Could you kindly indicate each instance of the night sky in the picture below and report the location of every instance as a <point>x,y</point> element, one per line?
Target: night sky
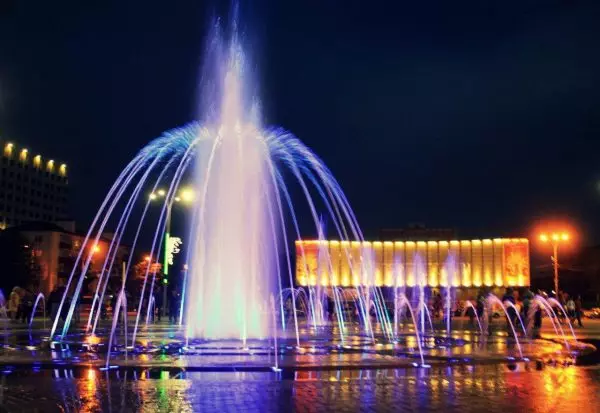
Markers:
<point>478,115</point>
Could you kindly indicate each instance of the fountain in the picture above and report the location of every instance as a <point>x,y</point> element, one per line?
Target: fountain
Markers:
<point>449,272</point>
<point>38,298</point>
<point>470,306</point>
<point>239,303</point>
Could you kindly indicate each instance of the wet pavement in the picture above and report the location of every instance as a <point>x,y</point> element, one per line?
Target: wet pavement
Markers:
<point>367,380</point>
<point>463,389</point>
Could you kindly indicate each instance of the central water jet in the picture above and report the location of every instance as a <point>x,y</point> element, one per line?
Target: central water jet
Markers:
<point>234,239</point>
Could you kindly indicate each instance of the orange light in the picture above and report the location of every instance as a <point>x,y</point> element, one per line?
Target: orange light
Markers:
<point>544,238</point>
<point>96,249</point>
<point>564,236</point>
<point>555,237</point>
<point>147,258</point>
<point>91,374</point>
<point>93,339</point>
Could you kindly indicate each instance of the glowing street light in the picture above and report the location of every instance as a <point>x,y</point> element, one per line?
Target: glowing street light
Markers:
<point>147,258</point>
<point>95,249</point>
<point>555,239</point>
<point>187,195</point>
<point>184,195</point>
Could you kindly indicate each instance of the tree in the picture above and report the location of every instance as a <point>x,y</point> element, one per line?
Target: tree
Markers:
<point>17,262</point>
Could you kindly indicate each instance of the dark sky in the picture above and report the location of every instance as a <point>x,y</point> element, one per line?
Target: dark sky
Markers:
<point>478,115</point>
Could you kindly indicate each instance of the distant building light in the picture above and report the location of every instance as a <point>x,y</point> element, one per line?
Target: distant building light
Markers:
<point>8,148</point>
<point>37,161</point>
<point>50,166</point>
<point>23,155</point>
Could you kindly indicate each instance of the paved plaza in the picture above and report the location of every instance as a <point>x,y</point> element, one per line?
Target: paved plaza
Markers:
<point>498,387</point>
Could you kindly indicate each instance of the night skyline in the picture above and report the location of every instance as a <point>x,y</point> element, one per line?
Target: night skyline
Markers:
<point>476,117</point>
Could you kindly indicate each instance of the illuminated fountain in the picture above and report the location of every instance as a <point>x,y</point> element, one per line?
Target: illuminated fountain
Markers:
<point>239,295</point>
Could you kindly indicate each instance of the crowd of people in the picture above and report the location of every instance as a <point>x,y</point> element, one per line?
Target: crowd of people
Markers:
<point>572,307</point>
<point>21,301</point>
<point>19,306</point>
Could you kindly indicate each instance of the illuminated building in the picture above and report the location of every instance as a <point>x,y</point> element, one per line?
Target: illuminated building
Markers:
<point>32,188</point>
<point>54,249</point>
<point>500,262</point>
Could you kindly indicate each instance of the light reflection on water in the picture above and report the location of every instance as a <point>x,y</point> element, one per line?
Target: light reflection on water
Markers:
<point>460,388</point>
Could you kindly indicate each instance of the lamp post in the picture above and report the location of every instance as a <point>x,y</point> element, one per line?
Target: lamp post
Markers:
<point>185,196</point>
<point>555,239</point>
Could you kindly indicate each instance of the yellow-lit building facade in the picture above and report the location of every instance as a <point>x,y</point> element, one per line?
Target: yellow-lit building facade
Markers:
<point>500,262</point>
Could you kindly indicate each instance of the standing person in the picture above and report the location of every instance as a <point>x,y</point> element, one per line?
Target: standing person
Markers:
<point>330,308</point>
<point>158,303</point>
<point>510,311</point>
<point>14,303</point>
<point>570,308</point>
<point>437,306</point>
<point>26,306</point>
<point>563,298</point>
<point>527,298</point>
<point>173,306</point>
<point>471,313</point>
<point>480,305</point>
<point>53,302</point>
<point>578,310</point>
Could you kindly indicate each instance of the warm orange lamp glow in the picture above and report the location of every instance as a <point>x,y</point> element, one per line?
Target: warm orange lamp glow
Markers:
<point>555,237</point>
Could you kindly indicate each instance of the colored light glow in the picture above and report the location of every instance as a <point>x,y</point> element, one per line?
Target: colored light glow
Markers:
<point>92,339</point>
<point>152,196</point>
<point>147,258</point>
<point>173,244</point>
<point>187,195</point>
<point>161,192</point>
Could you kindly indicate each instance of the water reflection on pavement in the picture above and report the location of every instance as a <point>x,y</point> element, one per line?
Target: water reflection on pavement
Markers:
<point>494,388</point>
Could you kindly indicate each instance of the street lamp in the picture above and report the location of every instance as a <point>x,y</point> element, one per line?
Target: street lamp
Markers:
<point>555,239</point>
<point>184,196</point>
